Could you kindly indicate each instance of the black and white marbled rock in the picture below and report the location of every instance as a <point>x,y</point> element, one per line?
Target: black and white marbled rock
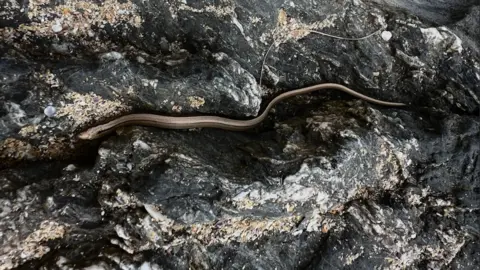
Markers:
<point>327,182</point>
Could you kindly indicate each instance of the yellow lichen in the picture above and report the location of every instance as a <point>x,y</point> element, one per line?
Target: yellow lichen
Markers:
<point>84,107</point>
<point>72,19</point>
<point>77,17</point>
<point>196,102</point>
<point>219,11</point>
<point>13,149</point>
<point>282,17</point>
<point>242,229</point>
<point>177,108</point>
<point>31,247</point>
<point>28,130</point>
<point>245,204</point>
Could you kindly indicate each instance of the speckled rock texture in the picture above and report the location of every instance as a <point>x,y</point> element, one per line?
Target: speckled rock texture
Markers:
<point>327,181</point>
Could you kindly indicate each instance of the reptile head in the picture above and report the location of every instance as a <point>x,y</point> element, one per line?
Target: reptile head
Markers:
<point>94,133</point>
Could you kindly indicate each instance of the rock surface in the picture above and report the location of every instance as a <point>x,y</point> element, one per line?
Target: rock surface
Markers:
<point>328,181</point>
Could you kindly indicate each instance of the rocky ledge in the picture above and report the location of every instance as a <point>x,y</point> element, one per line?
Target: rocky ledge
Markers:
<point>327,181</point>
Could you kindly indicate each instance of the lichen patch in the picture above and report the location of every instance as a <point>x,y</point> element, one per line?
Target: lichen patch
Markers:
<point>77,17</point>
<point>196,102</point>
<point>242,229</point>
<point>84,107</point>
<point>71,19</point>
<point>219,11</point>
<point>293,29</point>
<point>15,150</point>
<point>32,248</point>
<point>28,130</point>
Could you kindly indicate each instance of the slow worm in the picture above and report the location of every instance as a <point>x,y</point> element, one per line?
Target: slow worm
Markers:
<point>186,122</point>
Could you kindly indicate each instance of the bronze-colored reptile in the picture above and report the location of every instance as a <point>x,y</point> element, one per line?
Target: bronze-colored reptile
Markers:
<point>186,122</point>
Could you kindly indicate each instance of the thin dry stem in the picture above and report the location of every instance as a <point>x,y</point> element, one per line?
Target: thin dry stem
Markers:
<point>316,32</point>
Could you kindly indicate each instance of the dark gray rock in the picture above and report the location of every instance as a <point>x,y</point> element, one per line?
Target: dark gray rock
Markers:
<point>326,182</point>
<point>436,12</point>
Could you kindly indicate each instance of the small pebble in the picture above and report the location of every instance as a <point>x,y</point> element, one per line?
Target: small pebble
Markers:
<point>386,35</point>
<point>70,168</point>
<point>56,28</point>
<point>140,60</point>
<point>141,145</point>
<point>50,111</point>
<point>112,56</point>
